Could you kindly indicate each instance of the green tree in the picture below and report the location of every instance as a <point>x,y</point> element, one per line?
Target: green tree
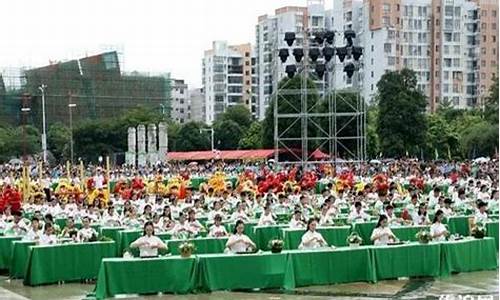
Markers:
<point>238,114</point>
<point>491,103</point>
<point>372,143</point>
<point>191,139</point>
<point>480,139</point>
<point>290,103</point>
<point>401,123</point>
<point>58,139</point>
<point>252,138</point>
<point>441,137</point>
<point>227,134</point>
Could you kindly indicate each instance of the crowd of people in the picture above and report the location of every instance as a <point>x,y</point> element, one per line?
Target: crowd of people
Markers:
<point>163,198</point>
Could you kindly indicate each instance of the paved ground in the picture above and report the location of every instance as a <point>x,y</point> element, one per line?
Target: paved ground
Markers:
<point>479,285</point>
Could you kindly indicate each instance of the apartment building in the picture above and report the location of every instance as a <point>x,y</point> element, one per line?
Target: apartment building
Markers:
<point>181,107</point>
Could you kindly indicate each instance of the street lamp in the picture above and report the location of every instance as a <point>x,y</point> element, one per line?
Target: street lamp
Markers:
<point>44,133</point>
<point>211,135</point>
<point>24,111</point>
<point>70,106</point>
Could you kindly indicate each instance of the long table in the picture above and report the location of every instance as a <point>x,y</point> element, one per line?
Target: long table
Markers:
<point>492,231</point>
<point>247,271</point>
<point>66,262</point>
<point>202,245</point>
<point>327,266</point>
<point>407,260</point>
<point>5,244</point>
<point>145,275</point>
<point>19,258</point>
<point>336,236</point>
<point>468,255</point>
<point>292,268</point>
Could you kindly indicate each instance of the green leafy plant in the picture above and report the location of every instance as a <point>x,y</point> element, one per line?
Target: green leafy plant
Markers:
<point>423,236</point>
<point>186,249</point>
<point>478,231</point>
<point>276,245</point>
<point>354,238</point>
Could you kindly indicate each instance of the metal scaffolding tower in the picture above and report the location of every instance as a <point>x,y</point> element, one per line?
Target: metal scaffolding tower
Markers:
<point>332,128</point>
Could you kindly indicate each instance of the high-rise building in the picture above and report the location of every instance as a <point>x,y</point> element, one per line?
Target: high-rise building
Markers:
<point>488,41</point>
<point>181,104</point>
<point>226,78</point>
<point>197,100</point>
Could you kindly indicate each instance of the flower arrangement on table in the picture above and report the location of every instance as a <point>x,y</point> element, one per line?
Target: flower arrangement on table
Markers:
<point>354,239</point>
<point>186,249</point>
<point>478,230</point>
<point>276,245</point>
<point>423,236</point>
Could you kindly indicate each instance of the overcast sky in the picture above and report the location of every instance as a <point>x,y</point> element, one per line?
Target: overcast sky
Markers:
<point>156,36</point>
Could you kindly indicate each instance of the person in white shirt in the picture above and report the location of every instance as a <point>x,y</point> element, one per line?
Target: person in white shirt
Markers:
<point>194,225</point>
<point>217,210</point>
<point>434,197</point>
<point>382,234</point>
<point>111,218</point>
<point>240,213</point>
<point>16,226</point>
<point>182,228</point>
<point>438,230</point>
<point>267,217</point>
<point>357,215</point>
<point>217,230</point>
<point>325,218</point>
<point>481,215</point>
<point>391,218</point>
<point>297,222</point>
<point>447,209</point>
<point>421,217</point>
<point>87,233</point>
<point>35,232</point>
<point>238,241</point>
<point>48,237</point>
<point>70,229</point>
<point>311,238</point>
<point>148,244</point>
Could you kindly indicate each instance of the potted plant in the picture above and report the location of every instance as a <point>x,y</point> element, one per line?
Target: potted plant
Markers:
<point>127,253</point>
<point>423,236</point>
<point>186,249</point>
<point>354,240</point>
<point>478,231</point>
<point>276,245</point>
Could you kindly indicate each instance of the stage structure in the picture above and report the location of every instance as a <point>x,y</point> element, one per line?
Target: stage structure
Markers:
<point>156,139</point>
<point>340,127</point>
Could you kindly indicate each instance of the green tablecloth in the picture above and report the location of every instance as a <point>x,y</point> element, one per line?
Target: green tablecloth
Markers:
<point>364,229</point>
<point>203,245</point>
<point>111,232</point>
<point>66,262</point>
<point>126,237</point>
<point>492,231</point>
<point>242,271</point>
<point>263,234</point>
<point>408,260</point>
<point>336,236</point>
<point>327,266</point>
<point>197,181</point>
<point>146,275</point>
<point>458,224</point>
<point>5,250</point>
<point>468,255</point>
<point>19,258</point>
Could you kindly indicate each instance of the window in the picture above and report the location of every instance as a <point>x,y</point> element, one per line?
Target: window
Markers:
<point>387,48</point>
<point>456,49</point>
<point>483,26</point>
<point>247,54</point>
<point>448,11</point>
<point>387,8</point>
<point>446,75</point>
<point>483,13</point>
<point>386,21</point>
<point>483,63</point>
<point>446,88</point>
<point>494,26</point>
<point>372,74</point>
<point>372,87</point>
<point>494,38</point>
<point>494,13</point>
<point>484,39</point>
<point>373,48</point>
<point>483,50</point>
<point>457,11</point>
<point>456,62</point>
<point>446,49</point>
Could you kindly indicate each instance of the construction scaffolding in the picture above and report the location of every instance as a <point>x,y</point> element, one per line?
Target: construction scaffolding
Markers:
<point>95,84</point>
